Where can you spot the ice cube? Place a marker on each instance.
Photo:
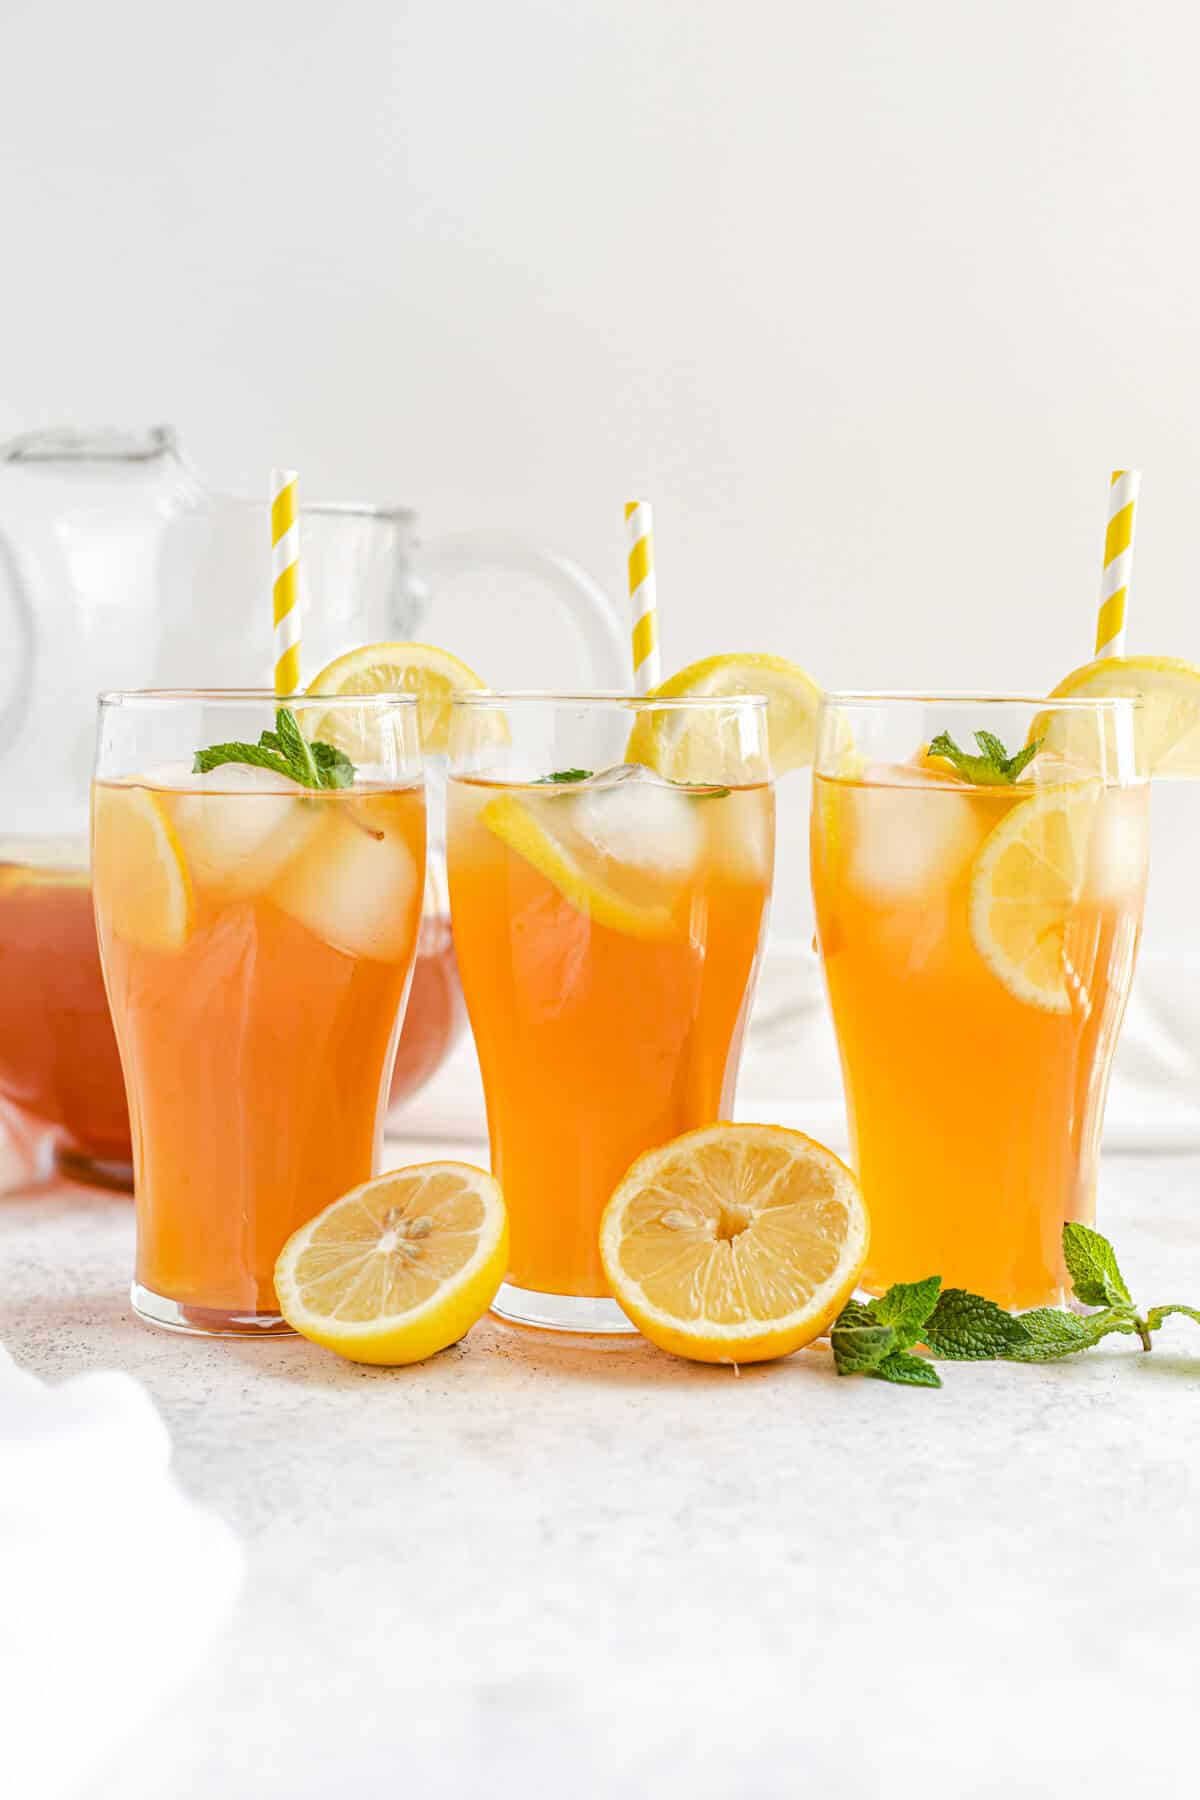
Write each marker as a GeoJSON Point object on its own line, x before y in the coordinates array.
{"type": "Point", "coordinates": [1119, 849]}
{"type": "Point", "coordinates": [638, 820]}
{"type": "Point", "coordinates": [356, 888]}
{"type": "Point", "coordinates": [239, 825]}
{"type": "Point", "coordinates": [904, 839]}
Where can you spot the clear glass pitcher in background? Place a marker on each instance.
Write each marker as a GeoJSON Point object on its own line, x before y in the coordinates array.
{"type": "Point", "coordinates": [120, 568]}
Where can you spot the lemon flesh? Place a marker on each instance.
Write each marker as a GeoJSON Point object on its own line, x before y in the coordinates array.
{"type": "Point", "coordinates": [619, 896]}
{"type": "Point", "coordinates": [1026, 885]}
{"type": "Point", "coordinates": [138, 869]}
{"type": "Point", "coordinates": [735, 1243]}
{"type": "Point", "coordinates": [399, 1268]}
{"type": "Point", "coordinates": [1169, 690]}
{"type": "Point", "coordinates": [430, 673]}
{"type": "Point", "coordinates": [696, 747]}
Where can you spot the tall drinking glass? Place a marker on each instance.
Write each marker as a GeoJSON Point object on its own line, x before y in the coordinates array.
{"type": "Point", "coordinates": [610, 865]}
{"type": "Point", "coordinates": [257, 936]}
{"type": "Point", "coordinates": [978, 914]}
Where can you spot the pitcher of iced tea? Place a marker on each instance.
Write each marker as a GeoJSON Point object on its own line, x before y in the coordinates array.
{"type": "Point", "coordinates": [119, 568]}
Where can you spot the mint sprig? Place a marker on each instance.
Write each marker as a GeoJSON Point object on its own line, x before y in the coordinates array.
{"type": "Point", "coordinates": [993, 767]}
{"type": "Point", "coordinates": [880, 1337]}
{"type": "Point", "coordinates": [285, 751]}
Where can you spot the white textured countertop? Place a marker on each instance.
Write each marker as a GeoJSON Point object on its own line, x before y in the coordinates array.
{"type": "Point", "coordinates": [533, 1567]}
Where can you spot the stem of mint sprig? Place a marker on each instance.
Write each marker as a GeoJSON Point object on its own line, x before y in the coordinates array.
{"type": "Point", "coordinates": [884, 1337]}
{"type": "Point", "coordinates": [285, 751]}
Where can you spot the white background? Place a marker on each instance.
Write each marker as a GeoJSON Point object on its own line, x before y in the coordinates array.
{"type": "Point", "coordinates": [867, 298]}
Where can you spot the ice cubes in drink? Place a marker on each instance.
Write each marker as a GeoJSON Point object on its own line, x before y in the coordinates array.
{"type": "Point", "coordinates": [356, 884]}
{"type": "Point", "coordinates": [906, 835]}
{"type": "Point", "coordinates": [632, 818]}
{"type": "Point", "coordinates": [238, 825]}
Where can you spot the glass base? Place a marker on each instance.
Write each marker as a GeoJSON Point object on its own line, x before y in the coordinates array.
{"type": "Point", "coordinates": [561, 1312]}
{"type": "Point", "coordinates": [113, 1173]}
{"type": "Point", "coordinates": [204, 1321]}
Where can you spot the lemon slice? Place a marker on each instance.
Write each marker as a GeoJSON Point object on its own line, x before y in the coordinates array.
{"type": "Point", "coordinates": [735, 1243]}
{"type": "Point", "coordinates": [431, 674]}
{"type": "Point", "coordinates": [621, 896]}
{"type": "Point", "coordinates": [685, 747]}
{"type": "Point", "coordinates": [1026, 883]}
{"type": "Point", "coordinates": [398, 1268]}
{"type": "Point", "coordinates": [138, 870]}
{"type": "Point", "coordinates": [1169, 690]}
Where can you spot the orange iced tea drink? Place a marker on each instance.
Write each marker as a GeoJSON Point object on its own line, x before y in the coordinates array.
{"type": "Point", "coordinates": [58, 1055]}
{"type": "Point", "coordinates": [978, 936]}
{"type": "Point", "coordinates": [607, 933]}
{"type": "Point", "coordinates": [257, 940]}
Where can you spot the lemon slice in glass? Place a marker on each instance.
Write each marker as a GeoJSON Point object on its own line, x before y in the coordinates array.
{"type": "Point", "coordinates": [399, 1268]}
{"type": "Point", "coordinates": [1169, 690]}
{"type": "Point", "coordinates": [433, 675]}
{"type": "Point", "coordinates": [138, 869]}
{"type": "Point", "coordinates": [1026, 885]}
{"type": "Point", "coordinates": [627, 897]}
{"type": "Point", "coordinates": [697, 747]}
{"type": "Point", "coordinates": [735, 1243]}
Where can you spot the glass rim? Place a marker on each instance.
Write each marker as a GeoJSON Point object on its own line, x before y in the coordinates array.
{"type": "Point", "coordinates": [917, 697]}
{"type": "Point", "coordinates": [600, 697]}
{"type": "Point", "coordinates": [244, 697]}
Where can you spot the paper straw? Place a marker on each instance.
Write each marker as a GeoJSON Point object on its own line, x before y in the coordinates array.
{"type": "Point", "coordinates": [643, 599]}
{"type": "Point", "coordinates": [285, 579]}
{"type": "Point", "coordinates": [1118, 562]}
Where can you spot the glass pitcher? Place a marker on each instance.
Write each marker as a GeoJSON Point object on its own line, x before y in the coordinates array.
{"type": "Point", "coordinates": [120, 568]}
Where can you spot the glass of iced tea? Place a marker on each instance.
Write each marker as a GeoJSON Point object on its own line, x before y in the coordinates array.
{"type": "Point", "coordinates": [979, 870]}
{"type": "Point", "coordinates": [257, 868]}
{"type": "Point", "coordinates": [610, 864]}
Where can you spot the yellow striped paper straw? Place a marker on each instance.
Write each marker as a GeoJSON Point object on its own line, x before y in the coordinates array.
{"type": "Point", "coordinates": [1118, 562]}
{"type": "Point", "coordinates": [643, 598]}
{"type": "Point", "coordinates": [285, 579]}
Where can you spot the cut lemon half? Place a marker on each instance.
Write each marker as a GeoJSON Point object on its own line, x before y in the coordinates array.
{"type": "Point", "coordinates": [1169, 690]}
{"type": "Point", "coordinates": [617, 895]}
{"type": "Point", "coordinates": [138, 872]}
{"type": "Point", "coordinates": [1025, 886]}
{"type": "Point", "coordinates": [399, 1268]}
{"type": "Point", "coordinates": [735, 1243]}
{"type": "Point", "coordinates": [431, 674]}
{"type": "Point", "coordinates": [698, 747]}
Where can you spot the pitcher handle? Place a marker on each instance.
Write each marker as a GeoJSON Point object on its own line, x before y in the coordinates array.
{"type": "Point", "coordinates": [17, 641]}
{"type": "Point", "coordinates": [595, 617]}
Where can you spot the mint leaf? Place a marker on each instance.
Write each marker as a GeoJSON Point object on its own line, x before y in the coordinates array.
{"type": "Point", "coordinates": [993, 767]}
{"type": "Point", "coordinates": [285, 751]}
{"type": "Point", "coordinates": [965, 1327]}
{"type": "Point", "coordinates": [216, 754]}
{"type": "Point", "coordinates": [1051, 1333]}
{"type": "Point", "coordinates": [1092, 1265]}
{"type": "Point", "coordinates": [1157, 1314]}
{"type": "Point", "coordinates": [295, 747]}
{"type": "Point", "coordinates": [913, 1371]}
{"type": "Point", "coordinates": [859, 1347]}
{"type": "Point", "coordinates": [561, 775]}
{"type": "Point", "coordinates": [905, 1307]}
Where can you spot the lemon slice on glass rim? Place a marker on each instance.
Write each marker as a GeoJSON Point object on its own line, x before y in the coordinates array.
{"type": "Point", "coordinates": [430, 673]}
{"type": "Point", "coordinates": [684, 746]}
{"type": "Point", "coordinates": [735, 1243]}
{"type": "Point", "coordinates": [398, 1268]}
{"type": "Point", "coordinates": [1169, 690]}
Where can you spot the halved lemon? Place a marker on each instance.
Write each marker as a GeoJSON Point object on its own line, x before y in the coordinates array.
{"type": "Point", "coordinates": [433, 675]}
{"type": "Point", "coordinates": [138, 870]}
{"type": "Point", "coordinates": [399, 1268]}
{"type": "Point", "coordinates": [685, 747]}
{"type": "Point", "coordinates": [1026, 883]}
{"type": "Point", "coordinates": [735, 1243]}
{"type": "Point", "coordinates": [617, 895]}
{"type": "Point", "coordinates": [1169, 690]}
